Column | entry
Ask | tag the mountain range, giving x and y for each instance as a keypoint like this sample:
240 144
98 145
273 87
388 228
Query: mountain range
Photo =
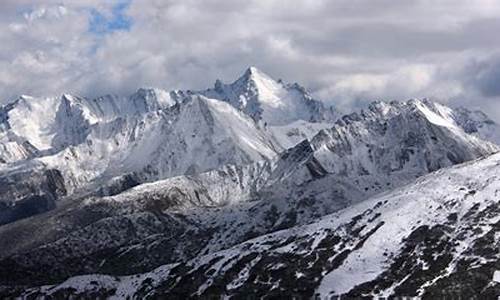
248 188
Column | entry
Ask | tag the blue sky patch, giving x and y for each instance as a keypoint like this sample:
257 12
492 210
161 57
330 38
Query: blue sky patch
102 24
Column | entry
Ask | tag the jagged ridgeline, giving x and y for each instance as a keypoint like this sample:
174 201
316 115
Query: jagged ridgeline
252 187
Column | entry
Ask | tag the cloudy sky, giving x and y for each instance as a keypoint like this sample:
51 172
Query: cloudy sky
345 52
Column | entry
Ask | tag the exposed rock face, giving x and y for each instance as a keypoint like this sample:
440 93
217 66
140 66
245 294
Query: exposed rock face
24 195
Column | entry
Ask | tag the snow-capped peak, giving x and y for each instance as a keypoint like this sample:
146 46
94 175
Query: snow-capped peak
254 83
254 71
259 79
269 101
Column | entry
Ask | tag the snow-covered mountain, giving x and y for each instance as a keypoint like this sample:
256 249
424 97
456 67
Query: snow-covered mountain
182 217
247 187
102 143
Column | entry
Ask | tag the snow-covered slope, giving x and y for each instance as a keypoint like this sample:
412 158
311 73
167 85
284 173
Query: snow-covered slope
31 127
100 136
434 238
96 146
166 143
397 139
26 127
385 146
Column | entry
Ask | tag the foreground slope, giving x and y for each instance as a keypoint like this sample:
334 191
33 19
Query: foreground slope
437 237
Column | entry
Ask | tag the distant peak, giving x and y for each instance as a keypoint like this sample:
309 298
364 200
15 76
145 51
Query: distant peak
253 72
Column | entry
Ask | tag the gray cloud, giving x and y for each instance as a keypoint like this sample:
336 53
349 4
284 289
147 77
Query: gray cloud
484 76
346 52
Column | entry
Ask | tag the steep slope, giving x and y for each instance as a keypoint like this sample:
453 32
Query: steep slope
385 146
434 238
167 143
269 101
151 134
